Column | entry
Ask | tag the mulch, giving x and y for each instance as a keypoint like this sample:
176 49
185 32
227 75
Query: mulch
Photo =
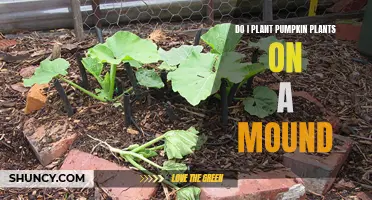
335 77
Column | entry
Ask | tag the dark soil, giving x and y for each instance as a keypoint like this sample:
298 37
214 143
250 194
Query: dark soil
342 85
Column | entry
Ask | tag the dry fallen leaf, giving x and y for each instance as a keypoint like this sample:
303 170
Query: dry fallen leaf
132 131
19 87
69 46
27 72
157 36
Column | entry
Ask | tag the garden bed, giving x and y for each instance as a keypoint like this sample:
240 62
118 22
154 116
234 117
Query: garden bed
334 77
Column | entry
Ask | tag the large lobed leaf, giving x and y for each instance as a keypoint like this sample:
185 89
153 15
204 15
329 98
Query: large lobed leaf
222 38
188 193
125 46
47 71
200 75
177 55
263 103
195 79
179 143
229 67
149 78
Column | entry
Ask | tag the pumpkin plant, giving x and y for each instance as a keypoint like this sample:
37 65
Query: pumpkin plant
122 47
176 145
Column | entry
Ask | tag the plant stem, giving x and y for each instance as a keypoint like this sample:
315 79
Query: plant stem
126 91
112 80
131 161
224 102
232 93
91 94
140 157
138 166
151 142
157 147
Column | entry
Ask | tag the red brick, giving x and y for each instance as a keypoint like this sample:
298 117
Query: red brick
48 141
260 186
77 160
319 172
348 31
364 196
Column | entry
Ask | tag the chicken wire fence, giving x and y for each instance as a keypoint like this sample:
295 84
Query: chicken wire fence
191 14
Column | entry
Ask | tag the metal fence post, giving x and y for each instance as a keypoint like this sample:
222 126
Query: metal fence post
78 20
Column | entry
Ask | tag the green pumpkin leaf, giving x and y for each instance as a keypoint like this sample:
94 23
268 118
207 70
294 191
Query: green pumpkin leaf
195 79
165 66
47 71
179 143
173 167
253 69
264 43
93 66
103 54
125 46
188 193
263 103
177 55
222 38
229 67
200 75
135 64
149 78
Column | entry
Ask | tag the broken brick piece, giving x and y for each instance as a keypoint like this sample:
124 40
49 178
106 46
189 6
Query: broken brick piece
364 196
261 186
36 99
78 160
48 141
319 172
4 44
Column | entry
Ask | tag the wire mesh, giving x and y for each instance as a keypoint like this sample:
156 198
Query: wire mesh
191 14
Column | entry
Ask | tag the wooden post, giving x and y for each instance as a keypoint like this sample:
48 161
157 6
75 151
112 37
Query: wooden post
78 20
268 10
210 12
